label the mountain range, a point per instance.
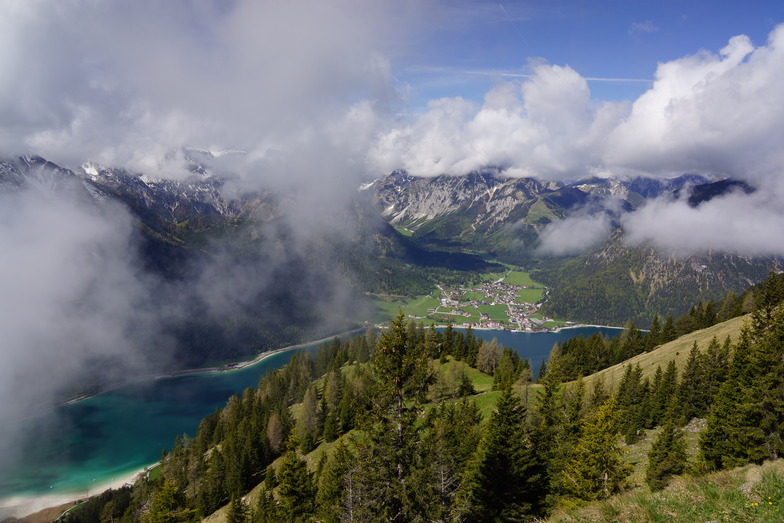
(198, 229)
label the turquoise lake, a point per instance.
(76, 446)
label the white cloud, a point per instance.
(125, 82)
(643, 27)
(718, 114)
(750, 225)
(546, 126)
(574, 234)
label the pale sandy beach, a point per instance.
(20, 506)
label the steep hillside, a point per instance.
(617, 281)
(676, 350)
(745, 494)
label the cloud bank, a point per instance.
(124, 83)
(717, 114)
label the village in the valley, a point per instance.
(510, 302)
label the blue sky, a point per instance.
(598, 39)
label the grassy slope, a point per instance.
(745, 494)
(676, 349)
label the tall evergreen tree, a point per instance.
(402, 377)
(508, 481)
(667, 457)
(595, 470)
(693, 392)
(295, 486)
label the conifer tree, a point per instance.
(266, 510)
(654, 336)
(331, 499)
(667, 457)
(595, 470)
(295, 486)
(402, 377)
(668, 331)
(238, 511)
(508, 481)
(693, 390)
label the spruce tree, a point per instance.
(508, 481)
(402, 377)
(693, 393)
(595, 470)
(238, 511)
(331, 499)
(295, 486)
(667, 457)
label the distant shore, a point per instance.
(207, 370)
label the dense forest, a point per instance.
(404, 440)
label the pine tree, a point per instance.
(746, 419)
(667, 457)
(167, 506)
(508, 481)
(595, 470)
(238, 511)
(331, 499)
(653, 339)
(295, 486)
(668, 331)
(266, 510)
(402, 377)
(693, 391)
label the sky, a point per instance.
(615, 45)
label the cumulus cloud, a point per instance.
(547, 126)
(718, 114)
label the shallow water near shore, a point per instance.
(78, 446)
(95, 440)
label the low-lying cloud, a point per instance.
(746, 224)
(574, 234)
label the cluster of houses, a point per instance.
(495, 293)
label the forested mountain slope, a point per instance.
(402, 441)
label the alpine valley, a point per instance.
(201, 227)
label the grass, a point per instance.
(474, 295)
(529, 295)
(403, 231)
(538, 211)
(497, 312)
(520, 278)
(416, 306)
(677, 350)
(754, 493)
(492, 276)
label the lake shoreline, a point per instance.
(206, 370)
(22, 505)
